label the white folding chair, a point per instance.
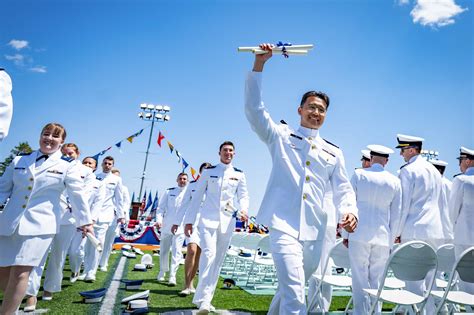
(411, 261)
(464, 267)
(248, 245)
(340, 256)
(231, 255)
(262, 273)
(446, 262)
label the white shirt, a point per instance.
(168, 209)
(127, 203)
(219, 185)
(34, 194)
(446, 225)
(421, 190)
(461, 208)
(113, 201)
(379, 198)
(6, 104)
(96, 192)
(303, 165)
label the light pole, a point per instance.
(153, 113)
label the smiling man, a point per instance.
(304, 165)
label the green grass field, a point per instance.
(162, 297)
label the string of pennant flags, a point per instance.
(159, 141)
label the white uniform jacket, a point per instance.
(127, 203)
(379, 200)
(447, 224)
(461, 208)
(96, 193)
(113, 201)
(87, 176)
(303, 164)
(183, 209)
(34, 195)
(219, 185)
(168, 208)
(421, 190)
(6, 103)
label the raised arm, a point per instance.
(6, 104)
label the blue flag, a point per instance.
(149, 202)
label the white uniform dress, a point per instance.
(113, 200)
(461, 209)
(379, 198)
(420, 217)
(6, 103)
(182, 213)
(166, 214)
(219, 185)
(32, 215)
(303, 165)
(447, 225)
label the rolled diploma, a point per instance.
(288, 51)
(95, 242)
(251, 49)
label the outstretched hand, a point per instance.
(261, 59)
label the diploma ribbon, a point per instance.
(283, 48)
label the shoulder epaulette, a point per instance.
(67, 158)
(457, 175)
(210, 167)
(283, 122)
(98, 178)
(331, 143)
(237, 170)
(1, 69)
(404, 165)
(171, 188)
(24, 153)
(193, 181)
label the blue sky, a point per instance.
(389, 66)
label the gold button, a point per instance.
(26, 197)
(307, 178)
(30, 188)
(313, 147)
(31, 179)
(304, 196)
(308, 163)
(310, 138)
(24, 206)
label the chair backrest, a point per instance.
(264, 245)
(412, 261)
(340, 255)
(446, 258)
(237, 238)
(465, 265)
(250, 242)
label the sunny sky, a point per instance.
(391, 66)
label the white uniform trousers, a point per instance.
(295, 262)
(324, 298)
(419, 287)
(214, 245)
(91, 255)
(34, 281)
(54, 272)
(367, 267)
(76, 251)
(108, 243)
(173, 243)
(464, 286)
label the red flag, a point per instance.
(160, 137)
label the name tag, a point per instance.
(233, 178)
(55, 172)
(212, 176)
(20, 168)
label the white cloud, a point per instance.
(403, 2)
(435, 12)
(17, 59)
(18, 44)
(38, 69)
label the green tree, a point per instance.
(23, 147)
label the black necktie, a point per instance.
(44, 156)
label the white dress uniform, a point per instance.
(182, 213)
(166, 214)
(379, 198)
(96, 193)
(6, 103)
(324, 299)
(219, 185)
(106, 219)
(447, 225)
(33, 214)
(112, 230)
(461, 208)
(303, 165)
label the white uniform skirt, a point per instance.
(194, 238)
(23, 250)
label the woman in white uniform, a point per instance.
(33, 184)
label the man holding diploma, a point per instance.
(303, 165)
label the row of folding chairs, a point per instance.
(412, 261)
(249, 261)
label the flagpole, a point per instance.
(154, 114)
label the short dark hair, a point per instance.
(317, 94)
(109, 158)
(204, 165)
(182, 174)
(226, 143)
